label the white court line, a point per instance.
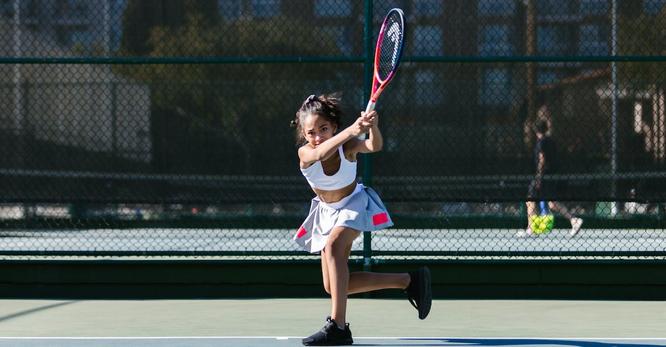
(300, 337)
(128, 339)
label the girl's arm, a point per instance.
(375, 141)
(326, 149)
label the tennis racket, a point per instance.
(387, 53)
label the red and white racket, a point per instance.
(387, 53)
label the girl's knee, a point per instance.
(341, 239)
(330, 256)
(335, 248)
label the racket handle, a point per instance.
(370, 107)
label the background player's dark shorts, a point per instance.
(548, 190)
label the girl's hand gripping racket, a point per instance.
(387, 53)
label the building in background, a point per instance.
(79, 106)
(89, 26)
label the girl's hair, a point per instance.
(325, 105)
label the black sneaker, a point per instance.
(330, 335)
(419, 291)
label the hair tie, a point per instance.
(310, 98)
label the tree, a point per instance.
(142, 16)
(641, 35)
(234, 101)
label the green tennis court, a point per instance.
(282, 322)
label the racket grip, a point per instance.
(371, 106)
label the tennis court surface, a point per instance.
(241, 341)
(374, 322)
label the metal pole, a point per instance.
(107, 28)
(614, 108)
(367, 84)
(109, 85)
(18, 100)
(531, 66)
(18, 95)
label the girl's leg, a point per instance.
(335, 273)
(361, 282)
(335, 255)
(324, 272)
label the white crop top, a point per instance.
(345, 176)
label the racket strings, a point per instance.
(391, 46)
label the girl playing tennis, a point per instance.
(342, 209)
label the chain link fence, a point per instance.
(139, 128)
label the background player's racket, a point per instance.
(387, 53)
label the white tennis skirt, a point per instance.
(361, 210)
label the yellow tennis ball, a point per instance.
(535, 224)
(549, 222)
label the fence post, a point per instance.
(367, 85)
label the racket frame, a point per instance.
(378, 84)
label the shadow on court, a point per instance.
(34, 310)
